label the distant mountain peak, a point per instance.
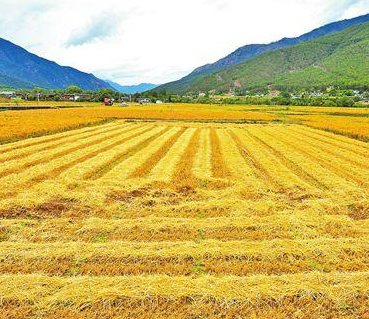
(132, 89)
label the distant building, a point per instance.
(296, 96)
(159, 102)
(8, 94)
(316, 94)
(76, 97)
(143, 100)
(67, 97)
(274, 93)
(201, 94)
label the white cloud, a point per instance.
(356, 8)
(132, 41)
(99, 28)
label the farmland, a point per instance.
(17, 125)
(248, 214)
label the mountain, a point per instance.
(7, 81)
(248, 52)
(340, 59)
(22, 69)
(132, 89)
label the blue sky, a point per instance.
(134, 41)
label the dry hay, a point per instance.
(184, 220)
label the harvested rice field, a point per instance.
(185, 220)
(30, 123)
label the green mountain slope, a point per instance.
(341, 59)
(248, 52)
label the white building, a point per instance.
(7, 94)
(144, 100)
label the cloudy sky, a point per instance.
(134, 41)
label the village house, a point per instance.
(8, 94)
(126, 99)
(76, 97)
(143, 100)
(296, 96)
(274, 93)
(316, 94)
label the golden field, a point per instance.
(180, 219)
(17, 125)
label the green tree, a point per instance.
(100, 95)
(285, 95)
(73, 89)
(17, 100)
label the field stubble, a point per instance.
(142, 220)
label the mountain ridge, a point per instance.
(339, 59)
(20, 68)
(250, 51)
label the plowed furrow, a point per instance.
(317, 170)
(57, 155)
(60, 293)
(291, 173)
(335, 165)
(219, 166)
(349, 157)
(120, 158)
(295, 226)
(177, 266)
(285, 160)
(190, 307)
(362, 146)
(65, 141)
(251, 160)
(164, 170)
(153, 160)
(183, 177)
(202, 162)
(57, 171)
(350, 147)
(212, 257)
(284, 180)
